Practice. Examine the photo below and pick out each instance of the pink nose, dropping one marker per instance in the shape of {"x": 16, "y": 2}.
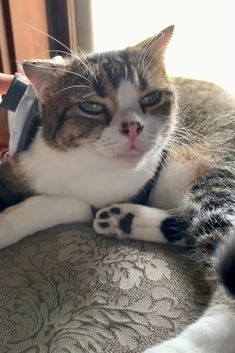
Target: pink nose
{"x": 132, "y": 129}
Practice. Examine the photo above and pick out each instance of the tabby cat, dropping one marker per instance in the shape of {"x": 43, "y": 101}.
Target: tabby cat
{"x": 154, "y": 156}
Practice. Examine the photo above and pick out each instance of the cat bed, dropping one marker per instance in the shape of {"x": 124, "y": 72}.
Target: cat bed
{"x": 69, "y": 290}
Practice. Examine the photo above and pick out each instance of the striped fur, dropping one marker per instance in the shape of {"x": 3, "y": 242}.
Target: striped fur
{"x": 181, "y": 165}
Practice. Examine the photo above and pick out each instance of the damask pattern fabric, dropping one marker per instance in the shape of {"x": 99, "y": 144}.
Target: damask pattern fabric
{"x": 68, "y": 290}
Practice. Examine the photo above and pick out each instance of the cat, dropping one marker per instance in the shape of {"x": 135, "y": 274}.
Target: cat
{"x": 152, "y": 157}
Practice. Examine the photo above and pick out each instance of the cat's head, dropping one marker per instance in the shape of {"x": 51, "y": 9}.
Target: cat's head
{"x": 119, "y": 103}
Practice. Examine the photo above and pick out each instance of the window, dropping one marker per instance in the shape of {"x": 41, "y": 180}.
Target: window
{"x": 203, "y": 44}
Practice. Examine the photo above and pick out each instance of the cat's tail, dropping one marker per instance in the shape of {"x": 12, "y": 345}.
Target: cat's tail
{"x": 226, "y": 263}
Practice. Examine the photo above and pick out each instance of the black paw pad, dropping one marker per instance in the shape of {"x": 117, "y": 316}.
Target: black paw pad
{"x": 104, "y": 215}
{"x": 115, "y": 210}
{"x": 104, "y": 224}
{"x": 126, "y": 223}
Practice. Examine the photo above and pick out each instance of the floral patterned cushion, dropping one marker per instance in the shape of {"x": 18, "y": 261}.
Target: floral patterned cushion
{"x": 68, "y": 290}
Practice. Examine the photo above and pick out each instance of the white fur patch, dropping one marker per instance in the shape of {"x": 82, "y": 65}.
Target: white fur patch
{"x": 81, "y": 173}
{"x": 210, "y": 334}
{"x": 69, "y": 183}
{"x": 127, "y": 96}
{"x": 40, "y": 212}
{"x": 174, "y": 180}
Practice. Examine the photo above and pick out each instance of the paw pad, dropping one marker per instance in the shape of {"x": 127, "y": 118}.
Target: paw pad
{"x": 126, "y": 222}
{"x": 104, "y": 224}
{"x": 113, "y": 221}
{"x": 104, "y": 215}
{"x": 115, "y": 210}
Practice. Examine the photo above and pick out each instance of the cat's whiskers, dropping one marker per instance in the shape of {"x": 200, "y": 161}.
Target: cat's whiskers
{"x": 50, "y": 36}
{"x": 195, "y": 138}
{"x": 106, "y": 142}
{"x": 60, "y": 69}
{"x": 99, "y": 72}
{"x": 70, "y": 87}
{"x": 72, "y": 55}
{"x": 197, "y": 150}
{"x": 150, "y": 164}
{"x": 75, "y": 56}
{"x": 187, "y": 130}
{"x": 191, "y": 149}
{"x": 88, "y": 95}
{"x": 86, "y": 65}
{"x": 192, "y": 138}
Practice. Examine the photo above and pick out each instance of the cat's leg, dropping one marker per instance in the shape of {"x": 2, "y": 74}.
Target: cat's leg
{"x": 214, "y": 332}
{"x": 210, "y": 208}
{"x": 38, "y": 213}
{"x": 139, "y": 222}
{"x": 207, "y": 216}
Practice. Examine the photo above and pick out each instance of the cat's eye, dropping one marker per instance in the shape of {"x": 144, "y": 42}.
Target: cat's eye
{"x": 91, "y": 108}
{"x": 151, "y": 99}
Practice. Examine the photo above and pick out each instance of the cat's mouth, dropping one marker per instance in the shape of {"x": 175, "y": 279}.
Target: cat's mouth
{"x": 133, "y": 151}
{"x": 131, "y": 154}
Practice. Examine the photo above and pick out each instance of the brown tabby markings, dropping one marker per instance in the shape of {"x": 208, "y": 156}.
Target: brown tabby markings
{"x": 12, "y": 178}
{"x": 193, "y": 155}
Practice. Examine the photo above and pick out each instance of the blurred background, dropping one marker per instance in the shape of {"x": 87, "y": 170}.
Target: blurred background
{"x": 202, "y": 47}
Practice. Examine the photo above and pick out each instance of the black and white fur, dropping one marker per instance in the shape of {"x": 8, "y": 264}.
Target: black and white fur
{"x": 77, "y": 163}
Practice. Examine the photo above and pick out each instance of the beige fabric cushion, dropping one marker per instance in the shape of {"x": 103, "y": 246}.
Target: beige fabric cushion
{"x": 67, "y": 290}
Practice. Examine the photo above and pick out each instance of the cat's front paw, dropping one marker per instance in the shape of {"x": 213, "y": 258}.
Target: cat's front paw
{"x": 115, "y": 220}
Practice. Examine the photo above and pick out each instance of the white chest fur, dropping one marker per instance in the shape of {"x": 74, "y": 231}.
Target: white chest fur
{"x": 173, "y": 183}
{"x": 81, "y": 173}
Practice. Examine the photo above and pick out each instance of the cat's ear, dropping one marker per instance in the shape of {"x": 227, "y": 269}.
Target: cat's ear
{"x": 42, "y": 74}
{"x": 156, "y": 45}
